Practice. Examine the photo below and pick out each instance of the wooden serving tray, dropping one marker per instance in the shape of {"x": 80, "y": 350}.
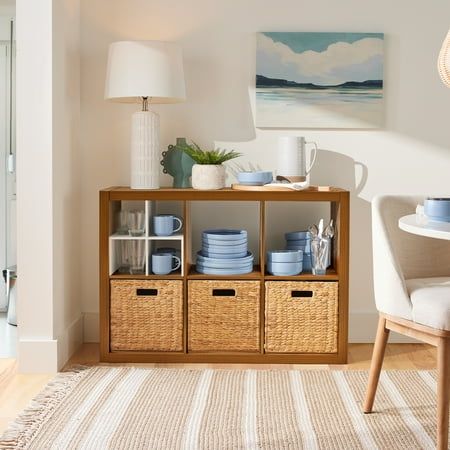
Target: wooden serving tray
{"x": 280, "y": 187}
{"x": 266, "y": 187}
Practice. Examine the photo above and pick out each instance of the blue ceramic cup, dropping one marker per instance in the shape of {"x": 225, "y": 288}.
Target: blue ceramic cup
{"x": 162, "y": 263}
{"x": 166, "y": 224}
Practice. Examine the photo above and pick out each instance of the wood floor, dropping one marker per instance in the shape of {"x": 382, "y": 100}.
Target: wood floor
{"x": 16, "y": 390}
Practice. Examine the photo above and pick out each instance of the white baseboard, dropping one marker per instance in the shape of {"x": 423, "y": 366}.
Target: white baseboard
{"x": 70, "y": 340}
{"x": 362, "y": 328}
{"x": 49, "y": 356}
{"x": 38, "y": 356}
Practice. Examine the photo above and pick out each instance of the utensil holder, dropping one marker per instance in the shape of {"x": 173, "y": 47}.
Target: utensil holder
{"x": 320, "y": 255}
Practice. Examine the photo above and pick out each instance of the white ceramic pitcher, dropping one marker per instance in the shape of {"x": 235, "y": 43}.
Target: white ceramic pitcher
{"x": 292, "y": 158}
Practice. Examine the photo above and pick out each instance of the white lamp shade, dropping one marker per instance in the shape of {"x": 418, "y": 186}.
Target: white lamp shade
{"x": 150, "y": 69}
{"x": 444, "y": 61}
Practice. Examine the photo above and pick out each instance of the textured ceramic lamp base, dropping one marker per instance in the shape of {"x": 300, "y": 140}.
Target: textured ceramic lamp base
{"x": 145, "y": 150}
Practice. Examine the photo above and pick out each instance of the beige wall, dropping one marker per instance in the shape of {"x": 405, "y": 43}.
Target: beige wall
{"x": 410, "y": 154}
{"x": 7, "y": 7}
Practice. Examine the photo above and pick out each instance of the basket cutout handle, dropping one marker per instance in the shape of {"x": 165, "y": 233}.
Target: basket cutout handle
{"x": 146, "y": 292}
{"x": 224, "y": 293}
{"x": 295, "y": 294}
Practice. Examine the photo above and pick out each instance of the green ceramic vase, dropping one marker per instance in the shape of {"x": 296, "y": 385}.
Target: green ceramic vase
{"x": 178, "y": 164}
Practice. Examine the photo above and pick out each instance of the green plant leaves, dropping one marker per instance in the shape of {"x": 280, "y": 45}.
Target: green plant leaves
{"x": 216, "y": 156}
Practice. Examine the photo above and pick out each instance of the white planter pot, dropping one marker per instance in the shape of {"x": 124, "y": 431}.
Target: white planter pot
{"x": 208, "y": 176}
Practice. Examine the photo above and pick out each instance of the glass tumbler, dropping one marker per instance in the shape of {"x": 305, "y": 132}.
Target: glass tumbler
{"x": 136, "y": 223}
{"x": 124, "y": 257}
{"x": 122, "y": 222}
{"x": 136, "y": 256}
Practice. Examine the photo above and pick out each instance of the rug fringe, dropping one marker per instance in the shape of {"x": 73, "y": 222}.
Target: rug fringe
{"x": 25, "y": 426}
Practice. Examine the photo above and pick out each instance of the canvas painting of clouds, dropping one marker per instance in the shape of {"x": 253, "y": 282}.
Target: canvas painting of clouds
{"x": 319, "y": 80}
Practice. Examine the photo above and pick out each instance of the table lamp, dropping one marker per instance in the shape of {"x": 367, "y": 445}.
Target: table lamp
{"x": 444, "y": 61}
{"x": 145, "y": 72}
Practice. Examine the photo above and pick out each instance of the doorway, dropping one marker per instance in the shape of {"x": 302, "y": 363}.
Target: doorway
{"x": 8, "y": 317}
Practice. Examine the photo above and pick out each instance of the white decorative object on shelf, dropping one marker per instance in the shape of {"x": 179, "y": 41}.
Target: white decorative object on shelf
{"x": 444, "y": 61}
{"x": 294, "y": 164}
{"x": 288, "y": 156}
{"x": 208, "y": 176}
{"x": 145, "y": 72}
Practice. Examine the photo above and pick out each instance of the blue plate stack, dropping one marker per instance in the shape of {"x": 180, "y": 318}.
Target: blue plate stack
{"x": 224, "y": 252}
{"x": 300, "y": 240}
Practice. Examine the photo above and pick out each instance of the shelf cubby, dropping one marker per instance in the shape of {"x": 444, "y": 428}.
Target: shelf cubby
{"x": 150, "y": 209}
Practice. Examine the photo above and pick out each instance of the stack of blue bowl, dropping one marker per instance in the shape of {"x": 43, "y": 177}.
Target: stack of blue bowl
{"x": 285, "y": 262}
{"x": 437, "y": 209}
{"x": 300, "y": 240}
{"x": 258, "y": 178}
{"x": 224, "y": 252}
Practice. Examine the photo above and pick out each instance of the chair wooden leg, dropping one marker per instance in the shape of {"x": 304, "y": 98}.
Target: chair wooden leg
{"x": 443, "y": 393}
{"x": 377, "y": 362}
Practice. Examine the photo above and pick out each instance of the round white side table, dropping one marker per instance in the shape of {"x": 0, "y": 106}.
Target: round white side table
{"x": 421, "y": 226}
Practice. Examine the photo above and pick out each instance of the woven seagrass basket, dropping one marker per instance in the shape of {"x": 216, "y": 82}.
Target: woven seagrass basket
{"x": 147, "y": 315}
{"x": 224, "y": 316}
{"x": 301, "y": 317}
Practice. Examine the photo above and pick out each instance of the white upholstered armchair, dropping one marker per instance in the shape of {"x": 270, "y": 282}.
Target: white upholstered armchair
{"x": 412, "y": 294}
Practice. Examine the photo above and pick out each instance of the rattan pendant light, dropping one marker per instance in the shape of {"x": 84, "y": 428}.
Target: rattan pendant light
{"x": 444, "y": 61}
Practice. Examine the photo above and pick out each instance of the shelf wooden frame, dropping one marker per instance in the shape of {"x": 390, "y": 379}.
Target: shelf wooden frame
{"x": 339, "y": 200}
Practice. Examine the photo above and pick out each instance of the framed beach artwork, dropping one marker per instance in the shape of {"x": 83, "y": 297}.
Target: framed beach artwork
{"x": 319, "y": 80}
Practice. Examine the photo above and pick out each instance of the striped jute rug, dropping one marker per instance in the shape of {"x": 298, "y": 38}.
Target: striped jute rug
{"x": 144, "y": 408}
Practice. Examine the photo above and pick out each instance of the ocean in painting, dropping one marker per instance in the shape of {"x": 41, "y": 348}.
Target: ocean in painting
{"x": 319, "y": 80}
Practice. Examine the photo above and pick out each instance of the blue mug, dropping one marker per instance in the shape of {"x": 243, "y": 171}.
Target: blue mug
{"x": 166, "y": 224}
{"x": 162, "y": 263}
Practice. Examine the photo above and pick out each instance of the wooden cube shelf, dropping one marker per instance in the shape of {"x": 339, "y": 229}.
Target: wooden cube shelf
{"x": 191, "y": 338}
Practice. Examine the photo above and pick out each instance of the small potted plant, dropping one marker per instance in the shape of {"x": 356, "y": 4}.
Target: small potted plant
{"x": 208, "y": 172}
